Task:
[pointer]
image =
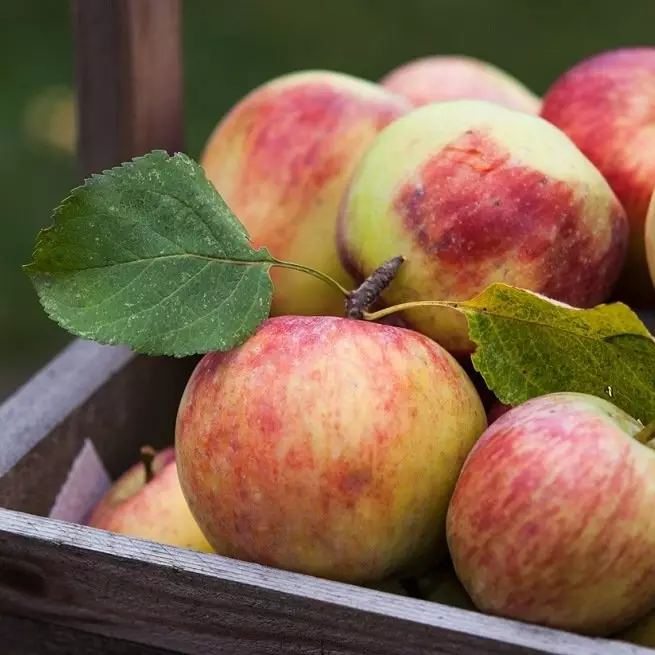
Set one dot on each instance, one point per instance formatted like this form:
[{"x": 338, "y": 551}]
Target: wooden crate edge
[{"x": 50, "y": 538}]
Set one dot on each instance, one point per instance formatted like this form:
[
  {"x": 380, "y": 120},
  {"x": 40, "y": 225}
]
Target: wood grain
[
  {"x": 26, "y": 637},
  {"x": 52, "y": 394},
  {"x": 197, "y": 603},
  {"x": 116, "y": 399},
  {"x": 129, "y": 79}
]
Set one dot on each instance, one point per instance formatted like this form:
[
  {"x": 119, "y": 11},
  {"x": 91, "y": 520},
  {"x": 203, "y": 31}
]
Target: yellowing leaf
[{"x": 528, "y": 345}]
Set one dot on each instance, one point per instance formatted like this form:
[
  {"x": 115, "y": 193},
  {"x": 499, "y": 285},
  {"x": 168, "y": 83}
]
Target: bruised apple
[
  {"x": 552, "y": 520},
  {"x": 327, "y": 446},
  {"x": 147, "y": 502},
  {"x": 281, "y": 159},
  {"x": 473, "y": 193},
  {"x": 439, "y": 78}
]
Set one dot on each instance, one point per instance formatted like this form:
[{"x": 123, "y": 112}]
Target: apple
[
  {"x": 641, "y": 632},
  {"x": 605, "y": 104},
  {"x": 472, "y": 193},
  {"x": 649, "y": 238},
  {"x": 551, "y": 521},
  {"x": 458, "y": 77},
  {"x": 327, "y": 446},
  {"x": 281, "y": 159},
  {"x": 147, "y": 502}
]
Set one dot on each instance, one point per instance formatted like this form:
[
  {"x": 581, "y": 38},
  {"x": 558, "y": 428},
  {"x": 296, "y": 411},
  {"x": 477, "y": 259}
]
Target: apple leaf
[
  {"x": 528, "y": 345},
  {"x": 148, "y": 254}
]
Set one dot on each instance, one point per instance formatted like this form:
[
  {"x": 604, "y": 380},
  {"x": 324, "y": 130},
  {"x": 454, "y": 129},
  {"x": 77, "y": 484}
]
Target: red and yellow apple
[
  {"x": 147, "y": 502},
  {"x": 327, "y": 446},
  {"x": 281, "y": 159},
  {"x": 472, "y": 193},
  {"x": 441, "y": 78},
  {"x": 606, "y": 105},
  {"x": 551, "y": 521}
]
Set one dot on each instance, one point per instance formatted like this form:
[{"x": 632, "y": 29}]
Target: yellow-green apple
[
  {"x": 147, "y": 502},
  {"x": 440, "y": 78},
  {"x": 281, "y": 159},
  {"x": 328, "y": 446},
  {"x": 649, "y": 237},
  {"x": 552, "y": 520},
  {"x": 641, "y": 632},
  {"x": 606, "y": 104},
  {"x": 472, "y": 193}
]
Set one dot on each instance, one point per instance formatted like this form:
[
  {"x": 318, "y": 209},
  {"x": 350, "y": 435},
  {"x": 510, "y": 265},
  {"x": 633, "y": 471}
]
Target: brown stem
[
  {"x": 647, "y": 435},
  {"x": 148, "y": 454},
  {"x": 369, "y": 291}
]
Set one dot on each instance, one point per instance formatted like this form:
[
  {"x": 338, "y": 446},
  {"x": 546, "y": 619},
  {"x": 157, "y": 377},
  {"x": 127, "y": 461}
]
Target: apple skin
[
  {"x": 649, "y": 238},
  {"x": 156, "y": 510},
  {"x": 441, "y": 78},
  {"x": 552, "y": 520},
  {"x": 473, "y": 193},
  {"x": 327, "y": 446},
  {"x": 605, "y": 104},
  {"x": 281, "y": 159}
]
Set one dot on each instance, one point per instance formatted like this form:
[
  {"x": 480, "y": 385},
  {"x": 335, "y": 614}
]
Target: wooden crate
[{"x": 69, "y": 589}]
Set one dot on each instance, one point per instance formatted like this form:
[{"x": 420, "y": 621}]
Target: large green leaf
[{"x": 148, "y": 254}]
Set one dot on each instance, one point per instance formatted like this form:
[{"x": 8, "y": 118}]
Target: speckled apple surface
[
  {"x": 552, "y": 520},
  {"x": 327, "y": 446}
]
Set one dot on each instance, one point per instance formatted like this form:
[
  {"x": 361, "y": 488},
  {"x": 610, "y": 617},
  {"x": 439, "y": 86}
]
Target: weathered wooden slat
[
  {"x": 26, "y": 637},
  {"x": 117, "y": 400},
  {"x": 52, "y": 394},
  {"x": 196, "y": 603},
  {"x": 129, "y": 79}
]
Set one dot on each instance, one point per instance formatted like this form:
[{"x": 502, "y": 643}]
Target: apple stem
[
  {"x": 646, "y": 435},
  {"x": 313, "y": 272},
  {"x": 147, "y": 458},
  {"x": 369, "y": 291},
  {"x": 416, "y": 304}
]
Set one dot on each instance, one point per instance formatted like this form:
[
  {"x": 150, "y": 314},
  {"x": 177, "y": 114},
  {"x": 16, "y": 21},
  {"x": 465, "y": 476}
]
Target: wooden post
[{"x": 129, "y": 79}]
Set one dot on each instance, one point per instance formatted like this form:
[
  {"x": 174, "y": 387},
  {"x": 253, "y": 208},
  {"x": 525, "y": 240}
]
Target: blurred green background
[{"x": 229, "y": 48}]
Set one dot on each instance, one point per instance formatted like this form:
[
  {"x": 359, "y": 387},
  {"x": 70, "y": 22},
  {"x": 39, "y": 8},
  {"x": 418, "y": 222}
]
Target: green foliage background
[{"x": 230, "y": 47}]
